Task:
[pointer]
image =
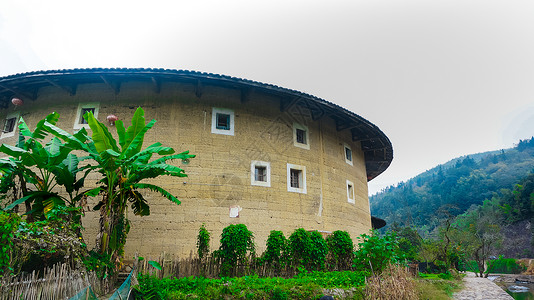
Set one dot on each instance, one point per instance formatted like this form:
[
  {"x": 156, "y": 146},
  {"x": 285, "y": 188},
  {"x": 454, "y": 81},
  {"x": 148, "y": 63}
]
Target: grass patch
[
  {"x": 394, "y": 283},
  {"x": 438, "y": 286},
  {"x": 302, "y": 286}
]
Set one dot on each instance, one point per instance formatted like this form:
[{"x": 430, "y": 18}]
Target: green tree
[
  {"x": 123, "y": 167},
  {"x": 478, "y": 234},
  {"x": 42, "y": 177},
  {"x": 409, "y": 241}
]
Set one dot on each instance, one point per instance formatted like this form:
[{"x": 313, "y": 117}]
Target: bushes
[
  {"x": 203, "y": 242},
  {"x": 318, "y": 251},
  {"x": 501, "y": 265},
  {"x": 9, "y": 223},
  {"x": 375, "y": 253},
  {"x": 304, "y": 250},
  {"x": 307, "y": 250},
  {"x": 505, "y": 266},
  {"x": 340, "y": 249},
  {"x": 237, "y": 244},
  {"x": 276, "y": 255}
]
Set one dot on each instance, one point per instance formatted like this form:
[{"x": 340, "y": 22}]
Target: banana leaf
[
  {"x": 158, "y": 189},
  {"x": 102, "y": 138}
]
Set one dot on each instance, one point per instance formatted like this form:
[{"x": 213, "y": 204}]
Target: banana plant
[
  {"x": 123, "y": 166},
  {"x": 39, "y": 175}
]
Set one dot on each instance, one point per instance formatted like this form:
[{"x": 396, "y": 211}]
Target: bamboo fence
[
  {"x": 172, "y": 266},
  {"x": 58, "y": 282}
]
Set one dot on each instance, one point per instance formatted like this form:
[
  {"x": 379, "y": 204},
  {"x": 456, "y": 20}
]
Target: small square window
[
  {"x": 296, "y": 178},
  {"x": 301, "y": 136},
  {"x": 222, "y": 121},
  {"x": 260, "y": 173},
  {"x": 83, "y": 108},
  {"x": 10, "y": 125},
  {"x": 83, "y": 112},
  {"x": 348, "y": 154},
  {"x": 350, "y": 192}
]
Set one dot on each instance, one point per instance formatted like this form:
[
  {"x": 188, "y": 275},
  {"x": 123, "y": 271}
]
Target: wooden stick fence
[
  {"x": 58, "y": 282},
  {"x": 209, "y": 268}
]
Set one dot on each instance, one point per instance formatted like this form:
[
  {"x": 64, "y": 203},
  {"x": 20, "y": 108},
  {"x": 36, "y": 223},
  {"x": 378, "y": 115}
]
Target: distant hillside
[{"x": 453, "y": 186}]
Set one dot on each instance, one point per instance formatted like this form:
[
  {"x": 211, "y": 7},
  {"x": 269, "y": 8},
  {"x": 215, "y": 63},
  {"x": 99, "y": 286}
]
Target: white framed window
[
  {"x": 347, "y": 152},
  {"x": 10, "y": 125},
  {"x": 260, "y": 173},
  {"x": 222, "y": 121},
  {"x": 80, "y": 122},
  {"x": 350, "y": 192},
  {"x": 296, "y": 178},
  {"x": 301, "y": 136}
]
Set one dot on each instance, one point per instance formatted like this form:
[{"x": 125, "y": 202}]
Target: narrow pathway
[{"x": 480, "y": 288}]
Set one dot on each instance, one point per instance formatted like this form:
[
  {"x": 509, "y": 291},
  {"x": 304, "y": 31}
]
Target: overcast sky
[{"x": 441, "y": 78}]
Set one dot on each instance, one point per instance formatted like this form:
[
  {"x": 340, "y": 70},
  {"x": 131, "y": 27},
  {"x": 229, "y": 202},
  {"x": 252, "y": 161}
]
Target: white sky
[{"x": 441, "y": 78}]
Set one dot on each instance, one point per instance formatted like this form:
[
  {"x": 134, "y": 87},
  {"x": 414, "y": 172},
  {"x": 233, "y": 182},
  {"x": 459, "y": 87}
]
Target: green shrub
[
  {"x": 447, "y": 275},
  {"x": 299, "y": 247},
  {"x": 340, "y": 250},
  {"x": 307, "y": 250},
  {"x": 505, "y": 266},
  {"x": 9, "y": 223},
  {"x": 376, "y": 252},
  {"x": 318, "y": 251},
  {"x": 203, "y": 242},
  {"x": 276, "y": 256},
  {"x": 237, "y": 244},
  {"x": 99, "y": 263}
]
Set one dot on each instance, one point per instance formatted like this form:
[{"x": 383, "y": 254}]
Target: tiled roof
[{"x": 375, "y": 144}]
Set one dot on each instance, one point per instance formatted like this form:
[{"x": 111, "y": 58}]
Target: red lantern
[
  {"x": 17, "y": 101},
  {"x": 112, "y": 118}
]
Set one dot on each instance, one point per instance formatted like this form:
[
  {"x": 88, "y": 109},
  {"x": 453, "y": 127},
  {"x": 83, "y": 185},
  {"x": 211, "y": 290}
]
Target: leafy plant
[
  {"x": 32, "y": 172},
  {"x": 237, "y": 244},
  {"x": 123, "y": 166},
  {"x": 341, "y": 250},
  {"x": 276, "y": 254},
  {"x": 318, "y": 251},
  {"x": 505, "y": 266},
  {"x": 376, "y": 252},
  {"x": 9, "y": 223},
  {"x": 155, "y": 264},
  {"x": 307, "y": 249},
  {"x": 299, "y": 247},
  {"x": 100, "y": 263},
  {"x": 203, "y": 243}
]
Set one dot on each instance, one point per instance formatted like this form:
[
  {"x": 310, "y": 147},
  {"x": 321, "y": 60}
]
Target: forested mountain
[{"x": 452, "y": 188}]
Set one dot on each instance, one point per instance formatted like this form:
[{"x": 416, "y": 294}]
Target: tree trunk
[{"x": 102, "y": 238}]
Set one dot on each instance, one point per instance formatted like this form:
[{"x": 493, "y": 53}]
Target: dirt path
[{"x": 480, "y": 288}]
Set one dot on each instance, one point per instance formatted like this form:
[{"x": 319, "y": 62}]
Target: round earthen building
[{"x": 266, "y": 156}]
